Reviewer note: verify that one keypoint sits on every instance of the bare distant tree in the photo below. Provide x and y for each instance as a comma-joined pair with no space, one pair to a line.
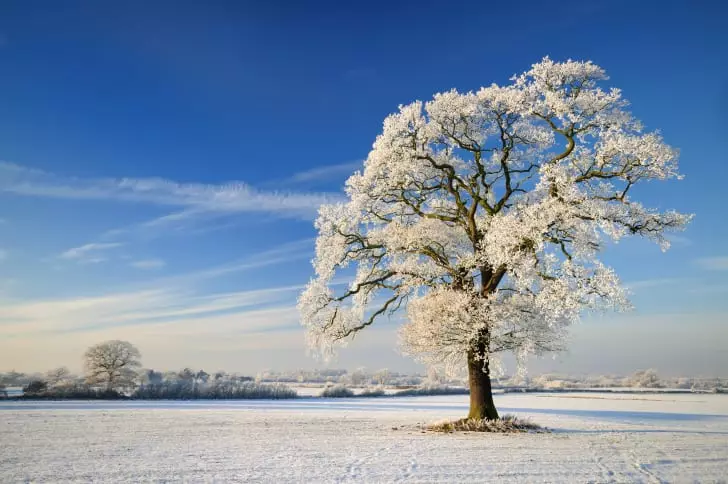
112,363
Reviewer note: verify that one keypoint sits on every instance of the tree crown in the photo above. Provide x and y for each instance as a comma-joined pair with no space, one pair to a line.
112,362
483,214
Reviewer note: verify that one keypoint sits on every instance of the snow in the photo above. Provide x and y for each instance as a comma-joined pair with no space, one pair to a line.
597,437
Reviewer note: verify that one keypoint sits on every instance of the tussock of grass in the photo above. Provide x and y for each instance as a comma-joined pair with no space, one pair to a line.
508,424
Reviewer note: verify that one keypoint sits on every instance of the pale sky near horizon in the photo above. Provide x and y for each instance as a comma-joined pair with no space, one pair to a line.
161,165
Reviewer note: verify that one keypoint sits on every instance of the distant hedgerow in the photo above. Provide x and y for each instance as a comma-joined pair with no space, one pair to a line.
337,391
216,391
432,390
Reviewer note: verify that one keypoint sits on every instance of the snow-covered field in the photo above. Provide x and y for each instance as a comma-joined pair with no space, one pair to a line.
596,438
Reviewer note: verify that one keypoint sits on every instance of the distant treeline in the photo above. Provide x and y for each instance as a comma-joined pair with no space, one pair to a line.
151,385
189,384
215,390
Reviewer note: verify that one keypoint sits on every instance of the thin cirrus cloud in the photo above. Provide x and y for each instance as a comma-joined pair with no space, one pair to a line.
180,304
168,318
199,219
148,264
173,310
719,263
325,173
652,283
197,207
89,252
231,197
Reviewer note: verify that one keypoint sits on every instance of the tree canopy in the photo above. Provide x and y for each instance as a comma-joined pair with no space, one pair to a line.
112,363
484,213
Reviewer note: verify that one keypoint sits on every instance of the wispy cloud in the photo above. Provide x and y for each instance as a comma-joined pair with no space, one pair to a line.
325,173
181,304
89,253
229,197
186,222
719,263
657,282
679,240
148,264
295,250
175,310
709,289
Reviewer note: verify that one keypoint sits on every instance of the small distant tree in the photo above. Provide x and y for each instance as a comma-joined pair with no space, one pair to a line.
113,364
359,376
202,376
186,374
152,377
646,379
382,376
483,214
434,377
15,379
35,387
58,376
3,391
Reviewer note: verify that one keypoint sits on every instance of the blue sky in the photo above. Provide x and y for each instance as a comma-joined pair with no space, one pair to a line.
162,164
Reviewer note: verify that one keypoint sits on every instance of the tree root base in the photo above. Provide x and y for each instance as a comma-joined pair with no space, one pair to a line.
508,424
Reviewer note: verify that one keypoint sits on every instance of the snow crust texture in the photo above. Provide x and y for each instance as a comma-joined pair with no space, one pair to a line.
596,438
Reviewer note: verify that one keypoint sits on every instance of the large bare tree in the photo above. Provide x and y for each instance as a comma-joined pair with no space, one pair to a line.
113,364
483,213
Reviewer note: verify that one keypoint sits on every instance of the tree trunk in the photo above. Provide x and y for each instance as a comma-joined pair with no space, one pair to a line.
481,393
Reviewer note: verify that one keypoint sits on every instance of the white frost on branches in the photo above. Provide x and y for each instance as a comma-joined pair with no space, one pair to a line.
483,214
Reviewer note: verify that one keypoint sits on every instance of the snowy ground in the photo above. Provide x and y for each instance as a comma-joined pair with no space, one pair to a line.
597,438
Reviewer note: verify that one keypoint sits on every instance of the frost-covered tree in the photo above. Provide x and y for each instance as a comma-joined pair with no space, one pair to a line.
58,376
113,364
645,379
434,377
483,213
382,376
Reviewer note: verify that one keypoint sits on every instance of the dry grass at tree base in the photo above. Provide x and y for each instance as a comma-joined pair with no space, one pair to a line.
508,424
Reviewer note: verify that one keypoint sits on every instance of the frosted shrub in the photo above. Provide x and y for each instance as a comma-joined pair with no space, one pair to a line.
372,392
646,379
337,391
